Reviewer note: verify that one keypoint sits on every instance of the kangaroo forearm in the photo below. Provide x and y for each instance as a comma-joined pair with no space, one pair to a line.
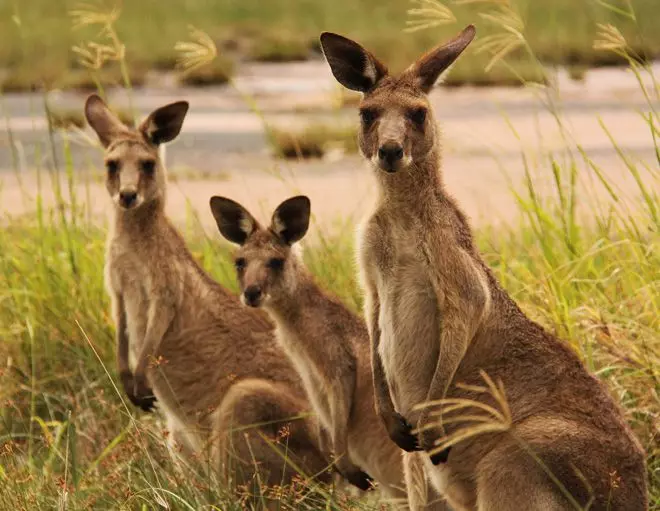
122,351
454,341
121,335
159,322
383,400
382,395
339,411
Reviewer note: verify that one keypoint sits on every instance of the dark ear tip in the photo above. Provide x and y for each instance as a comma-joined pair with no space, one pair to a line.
327,35
216,201
303,200
330,37
470,30
92,99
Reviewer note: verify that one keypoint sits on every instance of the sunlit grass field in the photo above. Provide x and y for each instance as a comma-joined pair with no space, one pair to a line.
70,440
67,435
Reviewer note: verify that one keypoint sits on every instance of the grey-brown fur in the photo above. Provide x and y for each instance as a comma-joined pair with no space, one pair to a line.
326,342
210,362
437,316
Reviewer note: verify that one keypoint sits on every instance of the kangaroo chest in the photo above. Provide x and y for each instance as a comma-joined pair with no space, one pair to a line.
128,276
305,365
409,319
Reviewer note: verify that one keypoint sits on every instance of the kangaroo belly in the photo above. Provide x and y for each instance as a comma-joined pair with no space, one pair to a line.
410,326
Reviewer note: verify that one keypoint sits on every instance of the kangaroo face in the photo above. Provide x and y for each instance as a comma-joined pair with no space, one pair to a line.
134,173
266,265
261,267
397,128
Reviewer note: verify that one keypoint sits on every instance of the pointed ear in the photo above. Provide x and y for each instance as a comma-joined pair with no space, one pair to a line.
353,66
431,65
234,221
164,124
291,219
106,125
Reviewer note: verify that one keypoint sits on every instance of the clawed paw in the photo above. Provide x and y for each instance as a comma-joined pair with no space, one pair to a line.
361,480
440,457
138,392
401,433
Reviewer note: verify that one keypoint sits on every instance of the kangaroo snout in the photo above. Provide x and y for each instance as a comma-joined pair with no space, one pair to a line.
389,155
128,198
252,296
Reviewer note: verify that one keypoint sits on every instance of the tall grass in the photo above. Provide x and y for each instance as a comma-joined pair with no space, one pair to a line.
68,441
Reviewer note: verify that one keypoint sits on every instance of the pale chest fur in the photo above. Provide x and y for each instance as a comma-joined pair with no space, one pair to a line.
137,279
409,318
315,387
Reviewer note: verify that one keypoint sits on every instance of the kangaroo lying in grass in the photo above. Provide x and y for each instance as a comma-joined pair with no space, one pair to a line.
437,318
212,364
327,343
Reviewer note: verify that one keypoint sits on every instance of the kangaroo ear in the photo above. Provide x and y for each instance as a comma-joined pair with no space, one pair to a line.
106,125
431,65
164,123
291,219
234,221
353,66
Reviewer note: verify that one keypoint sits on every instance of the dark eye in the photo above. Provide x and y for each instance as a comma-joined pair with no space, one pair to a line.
418,115
276,263
112,166
368,116
148,166
240,263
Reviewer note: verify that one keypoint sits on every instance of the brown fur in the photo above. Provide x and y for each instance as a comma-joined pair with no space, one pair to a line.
437,316
180,333
327,343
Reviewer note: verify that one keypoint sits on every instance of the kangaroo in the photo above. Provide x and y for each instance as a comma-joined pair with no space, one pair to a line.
326,342
437,316
212,364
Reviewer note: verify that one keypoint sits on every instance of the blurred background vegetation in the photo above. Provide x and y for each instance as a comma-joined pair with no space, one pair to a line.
36,36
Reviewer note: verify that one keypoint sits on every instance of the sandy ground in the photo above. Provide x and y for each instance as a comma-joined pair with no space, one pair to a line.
485,134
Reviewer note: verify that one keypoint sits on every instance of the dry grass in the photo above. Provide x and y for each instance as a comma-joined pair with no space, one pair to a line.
313,141
280,47
218,72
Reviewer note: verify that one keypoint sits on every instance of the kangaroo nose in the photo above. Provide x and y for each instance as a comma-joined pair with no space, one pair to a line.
390,154
127,198
252,295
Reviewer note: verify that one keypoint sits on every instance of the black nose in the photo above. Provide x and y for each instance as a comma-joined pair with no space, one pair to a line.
127,198
252,295
390,153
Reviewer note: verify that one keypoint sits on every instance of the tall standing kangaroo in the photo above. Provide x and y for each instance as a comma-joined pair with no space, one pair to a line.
437,317
212,364
327,343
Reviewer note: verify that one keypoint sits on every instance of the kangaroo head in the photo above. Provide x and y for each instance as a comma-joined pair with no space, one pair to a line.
397,126
135,173
266,264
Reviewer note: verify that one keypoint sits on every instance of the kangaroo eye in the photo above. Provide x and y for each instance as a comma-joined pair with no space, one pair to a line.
112,166
148,166
368,116
418,115
240,263
276,263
